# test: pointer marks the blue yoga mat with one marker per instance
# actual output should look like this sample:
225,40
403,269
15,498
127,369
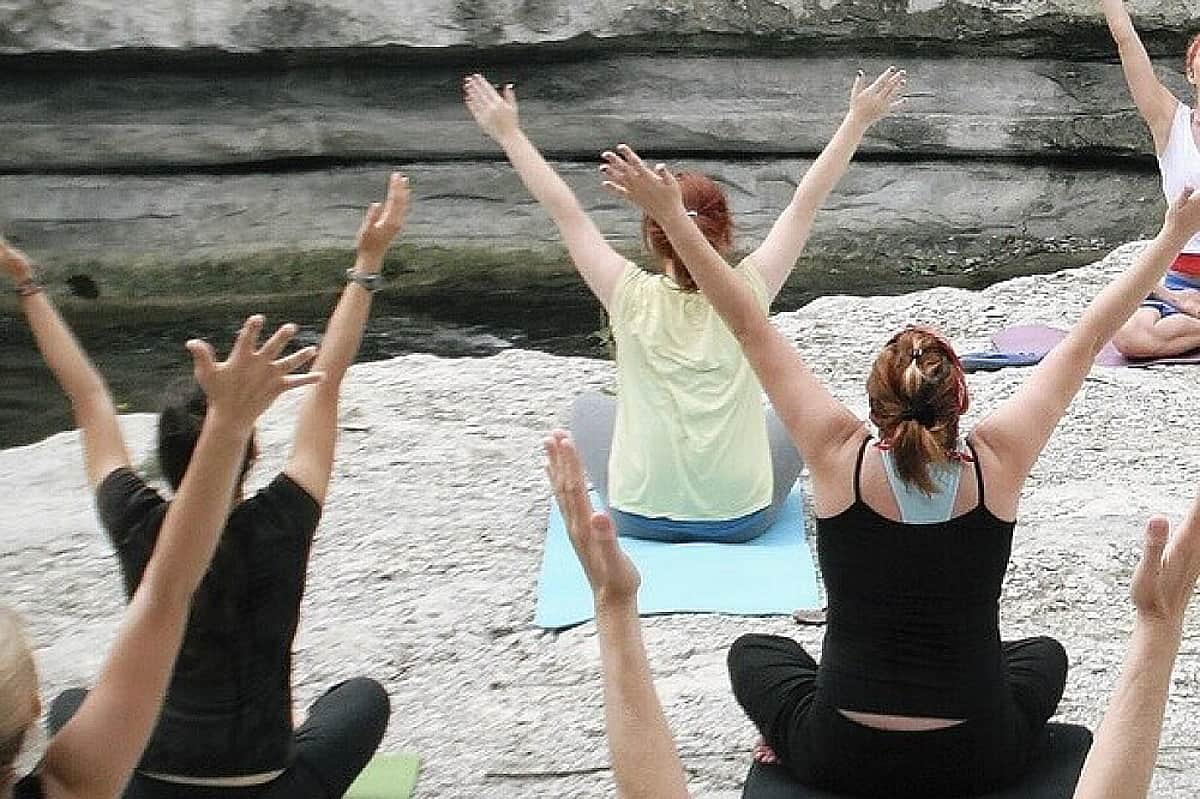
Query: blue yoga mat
773,574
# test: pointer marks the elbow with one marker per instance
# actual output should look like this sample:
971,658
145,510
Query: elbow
750,332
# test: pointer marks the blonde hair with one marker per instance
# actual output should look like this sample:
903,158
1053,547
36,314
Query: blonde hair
18,686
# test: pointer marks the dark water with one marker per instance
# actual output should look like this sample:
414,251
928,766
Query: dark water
139,349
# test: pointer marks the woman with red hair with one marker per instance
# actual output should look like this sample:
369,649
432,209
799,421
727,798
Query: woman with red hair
915,695
686,453
1168,322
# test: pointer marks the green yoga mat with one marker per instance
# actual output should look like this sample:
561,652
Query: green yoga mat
387,777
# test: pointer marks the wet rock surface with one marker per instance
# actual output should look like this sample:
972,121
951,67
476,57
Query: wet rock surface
425,564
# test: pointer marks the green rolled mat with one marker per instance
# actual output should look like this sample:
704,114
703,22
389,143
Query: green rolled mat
387,777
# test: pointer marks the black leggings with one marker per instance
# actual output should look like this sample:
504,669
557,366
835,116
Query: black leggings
775,682
342,732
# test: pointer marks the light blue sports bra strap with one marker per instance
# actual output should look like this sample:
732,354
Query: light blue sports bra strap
915,506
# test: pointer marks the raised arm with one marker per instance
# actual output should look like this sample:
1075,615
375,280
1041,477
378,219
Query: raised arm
645,762
311,461
776,256
598,263
95,414
95,753
1154,101
1019,428
818,423
1120,764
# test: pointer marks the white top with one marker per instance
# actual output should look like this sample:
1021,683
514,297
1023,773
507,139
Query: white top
1179,163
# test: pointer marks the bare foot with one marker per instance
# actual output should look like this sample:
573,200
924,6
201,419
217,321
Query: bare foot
764,754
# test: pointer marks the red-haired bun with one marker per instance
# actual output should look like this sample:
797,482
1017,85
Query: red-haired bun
707,206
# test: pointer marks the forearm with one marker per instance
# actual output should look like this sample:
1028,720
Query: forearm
61,351
197,514
551,192
1119,23
1120,764
830,165
1117,301
777,255
730,296
645,761
343,333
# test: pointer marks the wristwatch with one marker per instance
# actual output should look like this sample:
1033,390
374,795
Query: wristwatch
370,282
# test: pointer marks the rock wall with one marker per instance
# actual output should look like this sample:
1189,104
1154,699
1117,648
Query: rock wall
138,140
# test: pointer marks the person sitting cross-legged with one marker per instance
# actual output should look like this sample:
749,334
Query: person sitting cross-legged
226,728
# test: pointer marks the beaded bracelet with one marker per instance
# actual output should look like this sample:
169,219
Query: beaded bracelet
27,287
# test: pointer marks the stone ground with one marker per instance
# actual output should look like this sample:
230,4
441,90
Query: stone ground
424,568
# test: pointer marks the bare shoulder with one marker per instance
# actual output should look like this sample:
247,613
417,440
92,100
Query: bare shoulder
833,475
1002,484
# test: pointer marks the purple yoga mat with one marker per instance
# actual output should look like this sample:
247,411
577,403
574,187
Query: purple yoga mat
1042,338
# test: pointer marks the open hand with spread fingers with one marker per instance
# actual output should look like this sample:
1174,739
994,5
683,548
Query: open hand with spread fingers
655,190
610,572
240,388
494,112
381,223
16,264
871,102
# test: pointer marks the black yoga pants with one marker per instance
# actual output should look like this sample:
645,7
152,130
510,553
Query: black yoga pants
340,735
775,682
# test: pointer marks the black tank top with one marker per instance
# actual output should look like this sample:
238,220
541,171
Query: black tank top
913,610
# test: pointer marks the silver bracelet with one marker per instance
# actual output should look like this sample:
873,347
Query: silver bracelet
28,287
370,282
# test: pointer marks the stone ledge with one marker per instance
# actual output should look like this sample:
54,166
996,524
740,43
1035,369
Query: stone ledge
151,121
146,234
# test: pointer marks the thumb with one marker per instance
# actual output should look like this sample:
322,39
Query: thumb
374,214
1157,531
510,95
603,531
665,175
203,358
603,538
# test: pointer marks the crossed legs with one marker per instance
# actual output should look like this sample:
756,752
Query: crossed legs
340,735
